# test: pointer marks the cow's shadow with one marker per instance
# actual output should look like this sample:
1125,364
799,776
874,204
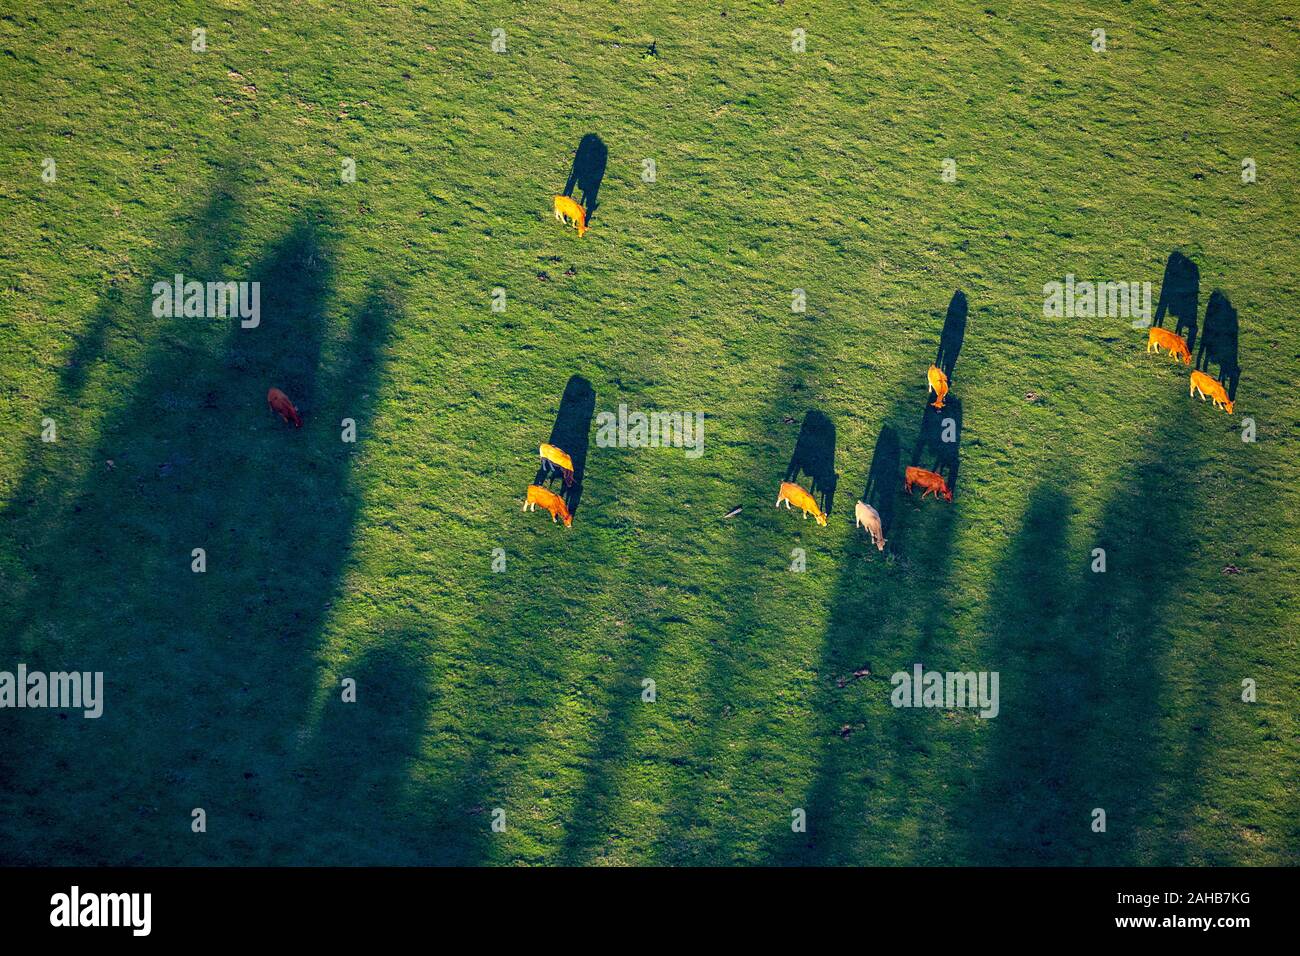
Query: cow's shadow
587,173
881,491
938,445
814,456
570,434
1219,341
1180,292
953,334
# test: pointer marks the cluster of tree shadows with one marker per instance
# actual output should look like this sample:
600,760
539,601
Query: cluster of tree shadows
1214,342
208,693
209,677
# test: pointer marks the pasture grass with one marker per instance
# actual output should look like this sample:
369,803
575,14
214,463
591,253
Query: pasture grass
522,690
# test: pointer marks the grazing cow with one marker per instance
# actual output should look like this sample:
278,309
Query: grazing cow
281,405
932,483
1176,344
1203,385
567,210
553,457
550,501
865,516
790,492
938,384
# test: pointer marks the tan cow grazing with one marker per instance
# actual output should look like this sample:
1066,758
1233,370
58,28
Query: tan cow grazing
938,383
281,405
932,483
1176,345
554,456
550,501
566,210
790,492
865,516
1203,385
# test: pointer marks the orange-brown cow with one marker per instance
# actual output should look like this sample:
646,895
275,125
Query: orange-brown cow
1175,344
932,483
549,500
790,492
280,404
1203,385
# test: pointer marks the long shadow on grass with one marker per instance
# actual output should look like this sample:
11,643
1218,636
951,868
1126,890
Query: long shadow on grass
884,477
571,434
938,442
814,456
523,675
207,675
588,172
952,335
592,815
1079,652
866,599
1219,341
1180,293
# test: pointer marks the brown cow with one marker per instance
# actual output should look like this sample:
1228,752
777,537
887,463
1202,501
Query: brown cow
281,405
1202,384
932,483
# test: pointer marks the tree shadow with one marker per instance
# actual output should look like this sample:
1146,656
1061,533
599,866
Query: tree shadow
953,334
352,801
197,462
1180,292
1219,341
1078,650
588,171
814,456
571,433
938,443
884,477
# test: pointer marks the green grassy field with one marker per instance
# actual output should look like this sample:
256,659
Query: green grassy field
522,690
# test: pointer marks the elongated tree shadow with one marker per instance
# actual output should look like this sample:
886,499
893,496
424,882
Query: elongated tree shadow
350,781
1219,342
1079,650
1180,293
198,463
588,172
571,433
489,767
814,456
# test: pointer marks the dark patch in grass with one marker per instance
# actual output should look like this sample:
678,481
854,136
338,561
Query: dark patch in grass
884,478
1080,656
187,654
